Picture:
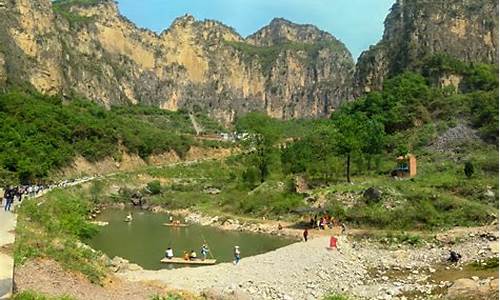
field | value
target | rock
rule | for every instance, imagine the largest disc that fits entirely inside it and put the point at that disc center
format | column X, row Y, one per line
column 494, row 247
column 463, row 287
column 489, row 194
column 494, row 284
column 372, row 195
column 212, row 191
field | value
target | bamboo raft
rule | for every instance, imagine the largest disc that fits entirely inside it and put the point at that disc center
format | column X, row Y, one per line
column 179, row 260
column 175, row 225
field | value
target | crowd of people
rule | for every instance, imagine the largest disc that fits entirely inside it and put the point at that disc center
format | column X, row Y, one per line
column 325, row 222
column 18, row 193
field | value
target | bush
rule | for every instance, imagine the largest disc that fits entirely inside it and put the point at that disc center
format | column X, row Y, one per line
column 154, row 187
column 468, row 169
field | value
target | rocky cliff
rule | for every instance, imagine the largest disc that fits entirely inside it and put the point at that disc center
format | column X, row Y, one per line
column 416, row 29
column 86, row 48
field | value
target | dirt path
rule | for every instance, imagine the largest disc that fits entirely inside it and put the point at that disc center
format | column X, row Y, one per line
column 7, row 237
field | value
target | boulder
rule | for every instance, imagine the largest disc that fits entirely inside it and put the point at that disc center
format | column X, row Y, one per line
column 372, row 195
column 463, row 287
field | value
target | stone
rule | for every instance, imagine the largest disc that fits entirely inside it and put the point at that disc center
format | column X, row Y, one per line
column 372, row 195
column 463, row 287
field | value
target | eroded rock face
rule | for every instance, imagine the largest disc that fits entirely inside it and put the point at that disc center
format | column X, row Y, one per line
column 415, row 29
column 286, row 70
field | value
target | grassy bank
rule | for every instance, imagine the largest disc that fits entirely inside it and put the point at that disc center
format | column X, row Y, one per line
column 53, row 227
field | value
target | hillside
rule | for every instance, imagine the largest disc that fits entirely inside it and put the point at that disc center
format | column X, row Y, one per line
column 43, row 134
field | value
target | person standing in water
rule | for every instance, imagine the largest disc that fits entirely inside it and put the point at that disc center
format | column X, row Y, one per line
column 237, row 255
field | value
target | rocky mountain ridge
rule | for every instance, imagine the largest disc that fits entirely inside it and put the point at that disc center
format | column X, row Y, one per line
column 87, row 48
column 415, row 30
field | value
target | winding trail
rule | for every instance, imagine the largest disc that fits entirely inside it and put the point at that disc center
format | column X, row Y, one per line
column 7, row 237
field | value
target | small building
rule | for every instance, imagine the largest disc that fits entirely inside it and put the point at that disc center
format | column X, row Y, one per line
column 407, row 166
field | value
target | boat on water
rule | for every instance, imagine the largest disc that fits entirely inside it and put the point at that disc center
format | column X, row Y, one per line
column 128, row 218
column 175, row 224
column 180, row 260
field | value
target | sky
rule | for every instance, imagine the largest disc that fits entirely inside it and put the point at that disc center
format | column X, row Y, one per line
column 357, row 23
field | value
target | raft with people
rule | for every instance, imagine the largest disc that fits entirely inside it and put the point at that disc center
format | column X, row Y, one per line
column 175, row 224
column 180, row 260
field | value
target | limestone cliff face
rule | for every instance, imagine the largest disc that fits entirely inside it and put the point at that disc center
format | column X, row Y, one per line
column 415, row 29
column 89, row 49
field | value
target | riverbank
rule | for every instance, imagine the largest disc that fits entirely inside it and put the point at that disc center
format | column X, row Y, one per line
column 310, row 270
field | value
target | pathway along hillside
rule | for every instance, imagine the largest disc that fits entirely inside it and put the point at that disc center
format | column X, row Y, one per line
column 7, row 237
column 309, row 270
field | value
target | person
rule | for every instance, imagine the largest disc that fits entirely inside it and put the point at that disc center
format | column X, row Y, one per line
column 192, row 255
column 9, row 198
column 344, row 228
column 237, row 254
column 280, row 227
column 129, row 217
column 171, row 219
column 454, row 257
column 186, row 255
column 305, row 234
column 204, row 251
column 169, row 253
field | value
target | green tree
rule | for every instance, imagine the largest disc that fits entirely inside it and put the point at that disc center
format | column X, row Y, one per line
column 263, row 133
column 350, row 136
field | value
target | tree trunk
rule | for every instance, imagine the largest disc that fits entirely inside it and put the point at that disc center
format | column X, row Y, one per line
column 348, row 167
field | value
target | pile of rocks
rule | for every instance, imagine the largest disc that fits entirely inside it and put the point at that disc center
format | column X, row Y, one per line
column 119, row 264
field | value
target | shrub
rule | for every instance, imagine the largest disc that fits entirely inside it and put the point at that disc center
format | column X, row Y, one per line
column 468, row 169
column 154, row 187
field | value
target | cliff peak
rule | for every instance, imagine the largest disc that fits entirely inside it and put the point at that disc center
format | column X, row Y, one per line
column 281, row 30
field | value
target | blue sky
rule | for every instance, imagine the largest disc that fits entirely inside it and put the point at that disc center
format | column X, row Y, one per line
column 357, row 23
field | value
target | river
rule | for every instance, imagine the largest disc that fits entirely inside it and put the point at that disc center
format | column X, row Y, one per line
column 144, row 240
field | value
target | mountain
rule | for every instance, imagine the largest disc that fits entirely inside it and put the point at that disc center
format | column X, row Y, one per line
column 417, row 29
column 86, row 48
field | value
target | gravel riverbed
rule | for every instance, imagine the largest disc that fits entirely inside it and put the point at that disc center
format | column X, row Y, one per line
column 310, row 270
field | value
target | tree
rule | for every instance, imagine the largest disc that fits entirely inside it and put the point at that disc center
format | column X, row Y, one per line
column 374, row 139
column 349, row 137
column 263, row 134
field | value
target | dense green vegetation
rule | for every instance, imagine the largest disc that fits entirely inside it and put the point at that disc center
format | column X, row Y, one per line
column 267, row 56
column 42, row 133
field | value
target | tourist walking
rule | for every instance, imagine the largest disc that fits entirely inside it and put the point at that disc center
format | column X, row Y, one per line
column 9, row 198
column 305, row 234
column 237, row 255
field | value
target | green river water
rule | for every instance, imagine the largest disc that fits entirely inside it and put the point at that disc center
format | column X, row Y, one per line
column 144, row 240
